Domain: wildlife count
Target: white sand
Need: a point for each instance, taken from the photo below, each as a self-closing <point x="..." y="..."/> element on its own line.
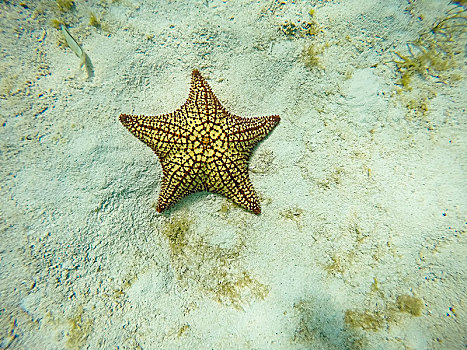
<point x="364" y="201"/>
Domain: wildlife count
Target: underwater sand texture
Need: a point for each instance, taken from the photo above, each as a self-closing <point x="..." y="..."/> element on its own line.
<point x="362" y="237"/>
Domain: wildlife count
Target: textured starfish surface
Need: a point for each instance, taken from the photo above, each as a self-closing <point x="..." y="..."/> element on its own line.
<point x="202" y="147"/>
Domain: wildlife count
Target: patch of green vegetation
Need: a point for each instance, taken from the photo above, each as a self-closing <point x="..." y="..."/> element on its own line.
<point x="56" y="23"/>
<point x="300" y="29"/>
<point x="422" y="62"/>
<point x="94" y="21"/>
<point x="213" y="269"/>
<point x="304" y="334"/>
<point x="8" y="84"/>
<point x="79" y="330"/>
<point x="312" y="27"/>
<point x="65" y="5"/>
<point x="234" y="289"/>
<point x="417" y="109"/>
<point x="310" y="56"/>
<point x="435" y="51"/>
<point x="375" y="288"/>
<point x="338" y="264"/>
<point x="311" y="53"/>
<point x="176" y="231"/>
<point x="314" y="330"/>
<point x="370" y="320"/>
<point x="410" y="304"/>
<point x="290" y="29"/>
<point x="183" y="329"/>
<point x="366" y="320"/>
<point x="225" y="207"/>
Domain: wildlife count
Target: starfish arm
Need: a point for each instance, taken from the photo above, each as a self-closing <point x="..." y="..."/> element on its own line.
<point x="165" y="133"/>
<point x="228" y="176"/>
<point x="245" y="133"/>
<point x="201" y="100"/>
<point x="181" y="177"/>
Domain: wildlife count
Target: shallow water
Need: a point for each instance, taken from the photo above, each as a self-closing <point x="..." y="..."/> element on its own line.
<point x="361" y="240"/>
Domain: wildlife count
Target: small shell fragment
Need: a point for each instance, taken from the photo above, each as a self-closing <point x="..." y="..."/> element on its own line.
<point x="84" y="60"/>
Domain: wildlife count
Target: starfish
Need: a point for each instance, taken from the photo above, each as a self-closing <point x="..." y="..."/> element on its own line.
<point x="202" y="147"/>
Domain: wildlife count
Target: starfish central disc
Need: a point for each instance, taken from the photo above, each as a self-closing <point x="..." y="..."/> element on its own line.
<point x="202" y="147"/>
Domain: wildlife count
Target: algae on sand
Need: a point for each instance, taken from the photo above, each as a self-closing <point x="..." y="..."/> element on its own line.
<point x="434" y="52"/>
<point x="215" y="270"/>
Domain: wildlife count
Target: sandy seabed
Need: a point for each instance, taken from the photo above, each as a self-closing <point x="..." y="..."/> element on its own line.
<point x="361" y="243"/>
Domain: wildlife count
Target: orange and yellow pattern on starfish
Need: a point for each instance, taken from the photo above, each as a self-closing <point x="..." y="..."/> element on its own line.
<point x="202" y="147"/>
